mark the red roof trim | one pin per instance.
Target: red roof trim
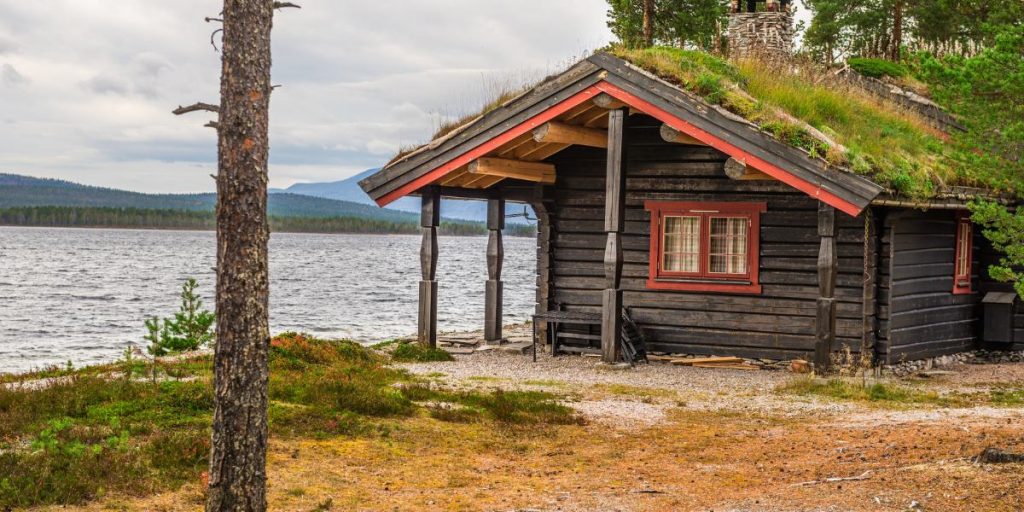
(587, 94)
(490, 145)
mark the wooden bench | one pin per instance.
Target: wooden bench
(556, 319)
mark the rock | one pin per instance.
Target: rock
(799, 366)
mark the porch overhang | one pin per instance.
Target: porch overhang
(577, 103)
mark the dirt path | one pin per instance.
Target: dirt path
(658, 438)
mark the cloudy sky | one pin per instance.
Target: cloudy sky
(87, 86)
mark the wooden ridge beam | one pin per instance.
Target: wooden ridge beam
(606, 101)
(539, 172)
(562, 133)
(669, 134)
(738, 170)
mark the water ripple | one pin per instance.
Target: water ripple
(82, 294)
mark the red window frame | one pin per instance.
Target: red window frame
(964, 240)
(703, 280)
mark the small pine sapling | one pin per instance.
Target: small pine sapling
(190, 329)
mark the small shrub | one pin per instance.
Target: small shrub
(877, 68)
(190, 329)
(416, 353)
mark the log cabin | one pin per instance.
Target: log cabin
(721, 222)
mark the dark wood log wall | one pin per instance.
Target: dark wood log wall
(779, 323)
(919, 316)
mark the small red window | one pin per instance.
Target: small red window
(704, 246)
(963, 258)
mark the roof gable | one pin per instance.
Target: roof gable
(604, 73)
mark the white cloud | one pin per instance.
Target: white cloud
(359, 80)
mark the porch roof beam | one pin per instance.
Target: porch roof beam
(538, 172)
(562, 133)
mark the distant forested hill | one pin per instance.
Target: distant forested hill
(349, 190)
(28, 201)
(17, 191)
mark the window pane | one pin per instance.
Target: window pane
(963, 249)
(681, 244)
(728, 251)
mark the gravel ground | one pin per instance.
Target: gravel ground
(627, 396)
(641, 396)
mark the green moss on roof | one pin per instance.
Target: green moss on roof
(894, 147)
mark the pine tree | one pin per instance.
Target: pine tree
(683, 23)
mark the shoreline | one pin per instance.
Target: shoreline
(189, 230)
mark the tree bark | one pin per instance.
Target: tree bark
(238, 456)
(648, 23)
(897, 31)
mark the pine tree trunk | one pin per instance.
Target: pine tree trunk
(238, 457)
(897, 31)
(648, 23)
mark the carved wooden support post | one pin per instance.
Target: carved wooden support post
(495, 257)
(430, 217)
(827, 265)
(544, 205)
(614, 214)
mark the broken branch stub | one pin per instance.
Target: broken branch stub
(196, 107)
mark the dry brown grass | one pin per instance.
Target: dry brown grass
(696, 461)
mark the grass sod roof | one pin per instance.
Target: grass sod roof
(852, 129)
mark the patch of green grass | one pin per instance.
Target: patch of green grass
(877, 68)
(386, 343)
(510, 407)
(548, 383)
(881, 393)
(485, 378)
(416, 353)
(636, 391)
(1008, 397)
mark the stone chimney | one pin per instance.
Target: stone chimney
(762, 30)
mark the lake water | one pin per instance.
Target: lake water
(83, 294)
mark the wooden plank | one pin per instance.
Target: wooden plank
(728, 366)
(706, 360)
(518, 169)
(562, 133)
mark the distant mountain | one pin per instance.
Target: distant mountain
(18, 190)
(349, 190)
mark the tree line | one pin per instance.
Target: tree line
(889, 29)
(144, 218)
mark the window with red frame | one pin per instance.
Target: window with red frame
(963, 255)
(704, 246)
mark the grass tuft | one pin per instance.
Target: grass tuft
(840, 389)
(412, 352)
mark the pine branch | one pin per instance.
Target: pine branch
(196, 108)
